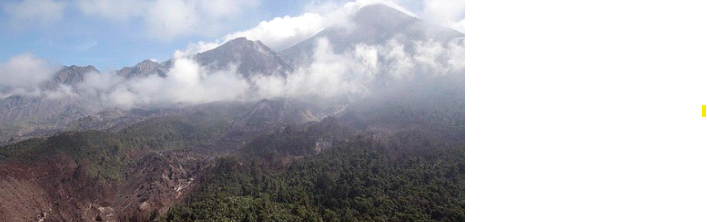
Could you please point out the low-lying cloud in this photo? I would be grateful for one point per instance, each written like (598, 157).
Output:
(330, 76)
(448, 13)
(23, 74)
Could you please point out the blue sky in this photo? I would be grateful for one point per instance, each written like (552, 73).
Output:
(112, 34)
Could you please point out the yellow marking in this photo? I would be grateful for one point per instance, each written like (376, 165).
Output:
(704, 110)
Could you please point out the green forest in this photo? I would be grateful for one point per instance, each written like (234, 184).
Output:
(404, 178)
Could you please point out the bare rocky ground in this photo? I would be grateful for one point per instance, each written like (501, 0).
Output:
(58, 189)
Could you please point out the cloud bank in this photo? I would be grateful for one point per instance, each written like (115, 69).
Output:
(24, 74)
(448, 13)
(331, 76)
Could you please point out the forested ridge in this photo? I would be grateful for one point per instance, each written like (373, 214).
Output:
(406, 177)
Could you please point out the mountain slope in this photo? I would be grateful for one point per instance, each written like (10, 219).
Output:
(373, 25)
(25, 117)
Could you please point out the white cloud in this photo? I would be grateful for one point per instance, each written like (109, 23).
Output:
(168, 19)
(194, 48)
(282, 32)
(25, 72)
(34, 13)
(325, 76)
(349, 8)
(460, 26)
(278, 33)
(186, 82)
(447, 13)
(350, 74)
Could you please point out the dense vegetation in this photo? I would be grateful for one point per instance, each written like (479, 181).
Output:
(100, 153)
(408, 177)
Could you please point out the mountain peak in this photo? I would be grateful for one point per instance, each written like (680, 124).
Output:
(238, 40)
(251, 57)
(75, 67)
(147, 62)
(375, 24)
(70, 75)
(381, 15)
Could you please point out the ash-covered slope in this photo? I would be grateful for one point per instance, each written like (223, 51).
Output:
(251, 58)
(373, 25)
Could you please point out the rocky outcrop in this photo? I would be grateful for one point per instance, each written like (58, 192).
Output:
(59, 189)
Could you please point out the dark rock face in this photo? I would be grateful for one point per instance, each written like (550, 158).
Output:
(373, 25)
(143, 69)
(251, 58)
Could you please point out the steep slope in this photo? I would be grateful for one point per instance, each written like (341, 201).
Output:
(251, 58)
(373, 25)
